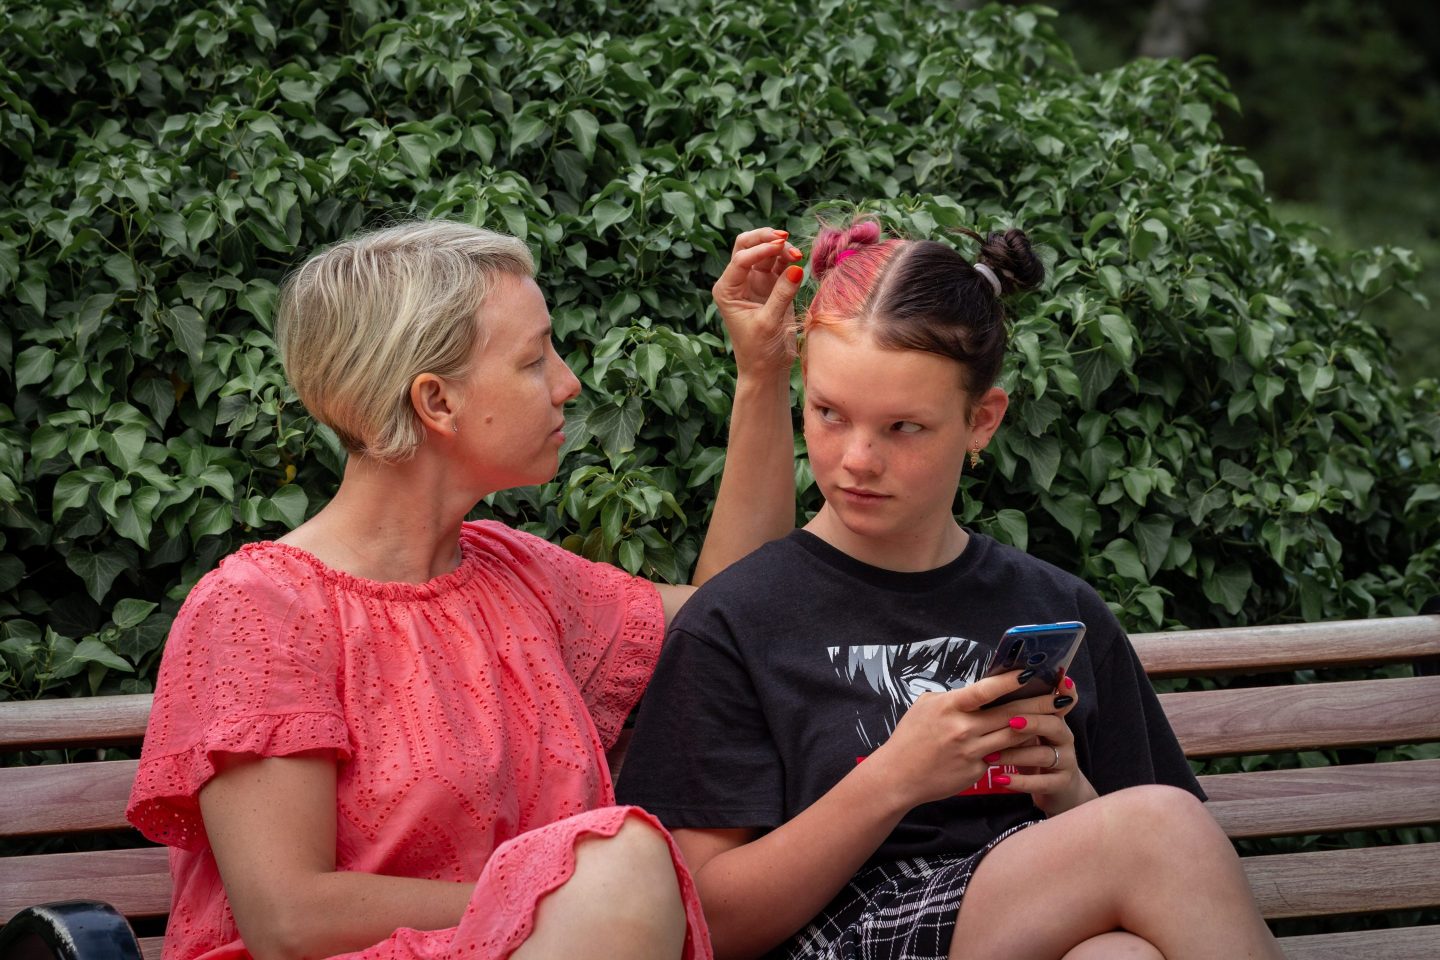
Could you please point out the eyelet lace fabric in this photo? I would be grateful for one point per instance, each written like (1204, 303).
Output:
(468, 716)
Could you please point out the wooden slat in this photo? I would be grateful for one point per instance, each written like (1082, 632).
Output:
(1336, 882)
(1362, 796)
(150, 947)
(1305, 717)
(65, 798)
(1397, 943)
(135, 882)
(1288, 646)
(79, 722)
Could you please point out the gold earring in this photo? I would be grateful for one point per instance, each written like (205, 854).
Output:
(975, 456)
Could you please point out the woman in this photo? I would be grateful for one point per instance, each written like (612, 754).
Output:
(1065, 825)
(383, 735)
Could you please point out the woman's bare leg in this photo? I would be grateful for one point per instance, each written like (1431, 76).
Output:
(1148, 860)
(622, 901)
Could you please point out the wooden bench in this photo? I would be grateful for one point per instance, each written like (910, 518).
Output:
(1266, 709)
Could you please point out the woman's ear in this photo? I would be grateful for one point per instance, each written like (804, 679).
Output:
(434, 402)
(986, 414)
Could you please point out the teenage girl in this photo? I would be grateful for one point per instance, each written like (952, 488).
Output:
(817, 734)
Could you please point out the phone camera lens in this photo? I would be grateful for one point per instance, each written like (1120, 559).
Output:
(1037, 658)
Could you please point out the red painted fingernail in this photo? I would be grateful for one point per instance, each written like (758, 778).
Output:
(1017, 723)
(795, 273)
(1069, 684)
(782, 233)
(795, 253)
(991, 757)
(1000, 779)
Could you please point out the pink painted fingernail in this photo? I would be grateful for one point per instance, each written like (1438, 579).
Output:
(1000, 780)
(1018, 723)
(991, 757)
(1069, 684)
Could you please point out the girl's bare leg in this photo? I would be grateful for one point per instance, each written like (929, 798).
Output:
(622, 901)
(1115, 945)
(1148, 860)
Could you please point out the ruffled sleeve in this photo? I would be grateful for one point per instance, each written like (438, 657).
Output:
(610, 624)
(250, 667)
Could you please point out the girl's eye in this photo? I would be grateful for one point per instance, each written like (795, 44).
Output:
(827, 414)
(906, 426)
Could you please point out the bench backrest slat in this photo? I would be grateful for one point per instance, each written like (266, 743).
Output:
(78, 722)
(1400, 877)
(1290, 646)
(1361, 796)
(135, 882)
(1305, 717)
(67, 798)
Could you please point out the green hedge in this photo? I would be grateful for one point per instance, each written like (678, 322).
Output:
(1205, 424)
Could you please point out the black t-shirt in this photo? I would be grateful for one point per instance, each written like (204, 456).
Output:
(792, 665)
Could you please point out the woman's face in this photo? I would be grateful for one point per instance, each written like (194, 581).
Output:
(511, 407)
(888, 432)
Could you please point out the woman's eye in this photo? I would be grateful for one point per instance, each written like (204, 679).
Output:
(827, 414)
(906, 426)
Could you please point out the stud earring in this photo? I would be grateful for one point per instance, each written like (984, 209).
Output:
(975, 456)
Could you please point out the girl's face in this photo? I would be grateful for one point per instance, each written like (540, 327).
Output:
(888, 432)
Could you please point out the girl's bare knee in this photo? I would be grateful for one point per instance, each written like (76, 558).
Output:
(1115, 945)
(638, 857)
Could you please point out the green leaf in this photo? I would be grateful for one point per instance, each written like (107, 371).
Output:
(91, 650)
(1229, 587)
(1012, 527)
(632, 555)
(607, 213)
(211, 518)
(1125, 559)
(288, 505)
(584, 128)
(97, 570)
(615, 426)
(130, 612)
(33, 366)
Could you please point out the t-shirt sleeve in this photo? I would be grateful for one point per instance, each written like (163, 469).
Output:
(250, 667)
(610, 627)
(1129, 741)
(703, 755)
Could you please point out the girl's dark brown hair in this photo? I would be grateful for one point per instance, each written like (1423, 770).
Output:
(923, 295)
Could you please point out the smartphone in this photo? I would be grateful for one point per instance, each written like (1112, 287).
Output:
(1046, 648)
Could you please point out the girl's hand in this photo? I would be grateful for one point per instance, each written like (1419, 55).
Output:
(1049, 770)
(756, 295)
(946, 741)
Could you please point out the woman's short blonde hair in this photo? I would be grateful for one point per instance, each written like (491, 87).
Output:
(359, 321)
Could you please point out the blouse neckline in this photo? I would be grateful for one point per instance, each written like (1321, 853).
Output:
(463, 573)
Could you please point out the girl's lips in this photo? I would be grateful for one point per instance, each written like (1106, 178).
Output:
(863, 496)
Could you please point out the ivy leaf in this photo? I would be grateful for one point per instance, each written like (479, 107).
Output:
(615, 426)
(130, 612)
(1229, 587)
(97, 570)
(1125, 559)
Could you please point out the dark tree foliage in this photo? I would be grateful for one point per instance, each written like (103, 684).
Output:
(1204, 424)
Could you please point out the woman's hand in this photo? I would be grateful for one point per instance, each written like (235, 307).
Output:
(1049, 770)
(756, 295)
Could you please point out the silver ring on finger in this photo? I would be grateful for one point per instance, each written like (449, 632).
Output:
(1056, 762)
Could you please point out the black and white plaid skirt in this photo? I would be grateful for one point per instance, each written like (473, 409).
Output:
(903, 910)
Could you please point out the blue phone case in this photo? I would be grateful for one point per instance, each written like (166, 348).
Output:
(1045, 648)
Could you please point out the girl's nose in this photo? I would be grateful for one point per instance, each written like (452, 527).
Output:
(860, 457)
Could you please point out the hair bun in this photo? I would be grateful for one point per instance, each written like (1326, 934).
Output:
(1012, 258)
(832, 242)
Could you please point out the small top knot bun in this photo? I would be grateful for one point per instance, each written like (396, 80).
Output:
(832, 243)
(1012, 260)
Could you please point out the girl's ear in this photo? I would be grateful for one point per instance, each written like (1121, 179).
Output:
(434, 402)
(986, 414)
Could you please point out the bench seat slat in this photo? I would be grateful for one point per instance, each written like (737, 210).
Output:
(1399, 877)
(1398, 943)
(67, 798)
(151, 947)
(1309, 716)
(135, 882)
(109, 721)
(1276, 803)
(1288, 646)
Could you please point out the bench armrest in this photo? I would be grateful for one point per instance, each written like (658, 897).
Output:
(69, 930)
